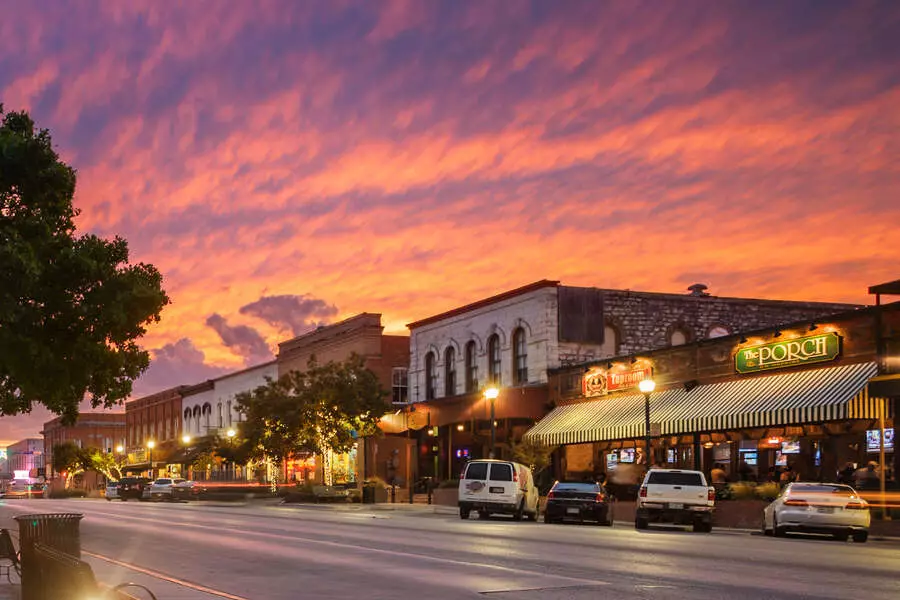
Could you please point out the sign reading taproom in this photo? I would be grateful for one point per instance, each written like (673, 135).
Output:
(799, 351)
(600, 383)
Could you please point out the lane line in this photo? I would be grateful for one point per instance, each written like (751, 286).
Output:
(164, 577)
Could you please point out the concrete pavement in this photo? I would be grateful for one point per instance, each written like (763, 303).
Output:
(287, 552)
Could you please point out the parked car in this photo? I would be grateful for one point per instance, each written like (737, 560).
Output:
(675, 496)
(497, 486)
(186, 490)
(828, 508)
(112, 491)
(579, 501)
(132, 487)
(25, 490)
(161, 489)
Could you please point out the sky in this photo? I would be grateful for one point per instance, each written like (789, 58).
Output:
(289, 164)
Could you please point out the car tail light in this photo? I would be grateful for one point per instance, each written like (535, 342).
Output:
(795, 502)
(515, 475)
(711, 494)
(551, 495)
(856, 505)
(600, 497)
(643, 492)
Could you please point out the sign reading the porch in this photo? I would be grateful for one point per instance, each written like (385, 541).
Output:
(800, 351)
(600, 383)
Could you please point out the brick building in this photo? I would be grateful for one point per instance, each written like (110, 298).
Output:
(513, 339)
(103, 431)
(388, 357)
(155, 418)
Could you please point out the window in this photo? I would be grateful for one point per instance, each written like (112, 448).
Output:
(610, 345)
(228, 412)
(450, 371)
(678, 337)
(675, 478)
(494, 359)
(430, 376)
(501, 472)
(520, 357)
(207, 413)
(476, 470)
(220, 420)
(400, 385)
(471, 367)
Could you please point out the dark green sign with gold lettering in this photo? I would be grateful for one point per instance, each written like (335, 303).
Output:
(788, 353)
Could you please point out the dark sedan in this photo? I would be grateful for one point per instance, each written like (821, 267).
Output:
(133, 487)
(579, 501)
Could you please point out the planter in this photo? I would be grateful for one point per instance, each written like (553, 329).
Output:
(445, 497)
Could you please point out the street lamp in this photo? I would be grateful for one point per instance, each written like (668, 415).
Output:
(150, 445)
(491, 394)
(120, 449)
(647, 386)
(230, 434)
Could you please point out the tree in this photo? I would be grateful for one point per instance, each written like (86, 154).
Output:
(106, 464)
(70, 459)
(320, 410)
(71, 306)
(531, 453)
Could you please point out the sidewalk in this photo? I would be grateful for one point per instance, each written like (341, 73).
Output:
(9, 591)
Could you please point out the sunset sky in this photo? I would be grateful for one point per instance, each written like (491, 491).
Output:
(286, 164)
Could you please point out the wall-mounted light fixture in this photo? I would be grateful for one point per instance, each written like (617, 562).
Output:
(609, 365)
(777, 333)
(813, 326)
(633, 359)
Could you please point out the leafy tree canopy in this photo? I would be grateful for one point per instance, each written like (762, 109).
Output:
(312, 411)
(534, 454)
(71, 306)
(68, 457)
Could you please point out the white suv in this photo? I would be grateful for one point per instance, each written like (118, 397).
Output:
(675, 496)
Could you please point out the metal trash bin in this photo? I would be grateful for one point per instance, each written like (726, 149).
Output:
(368, 493)
(60, 531)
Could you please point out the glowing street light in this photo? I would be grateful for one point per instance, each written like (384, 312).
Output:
(186, 439)
(647, 386)
(120, 449)
(150, 445)
(491, 394)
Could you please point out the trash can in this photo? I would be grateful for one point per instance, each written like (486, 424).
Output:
(368, 493)
(60, 531)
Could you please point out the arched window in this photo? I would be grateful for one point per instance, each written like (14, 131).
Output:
(717, 331)
(520, 357)
(610, 345)
(207, 414)
(186, 427)
(430, 376)
(450, 371)
(221, 420)
(228, 412)
(678, 337)
(471, 367)
(196, 427)
(494, 359)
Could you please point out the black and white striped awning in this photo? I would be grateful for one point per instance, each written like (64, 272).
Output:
(801, 397)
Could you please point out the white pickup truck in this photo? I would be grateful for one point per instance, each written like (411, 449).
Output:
(675, 496)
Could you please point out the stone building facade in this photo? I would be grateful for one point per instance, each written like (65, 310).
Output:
(513, 339)
(104, 431)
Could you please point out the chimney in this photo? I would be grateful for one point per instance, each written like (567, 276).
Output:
(699, 290)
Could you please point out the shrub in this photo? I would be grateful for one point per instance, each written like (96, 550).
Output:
(743, 490)
(768, 491)
(70, 493)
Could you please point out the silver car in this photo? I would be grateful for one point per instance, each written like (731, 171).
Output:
(161, 489)
(112, 490)
(828, 508)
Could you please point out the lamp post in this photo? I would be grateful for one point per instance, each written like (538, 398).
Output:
(647, 386)
(186, 440)
(150, 446)
(230, 435)
(491, 394)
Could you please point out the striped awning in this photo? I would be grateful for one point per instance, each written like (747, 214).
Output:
(801, 397)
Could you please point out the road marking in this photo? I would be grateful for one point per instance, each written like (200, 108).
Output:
(164, 577)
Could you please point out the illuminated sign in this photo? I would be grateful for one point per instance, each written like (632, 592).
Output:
(800, 351)
(600, 382)
(17, 474)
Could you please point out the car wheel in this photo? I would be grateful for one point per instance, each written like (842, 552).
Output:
(702, 527)
(109, 499)
(483, 514)
(640, 523)
(842, 537)
(776, 530)
(548, 519)
(860, 537)
(765, 530)
(464, 514)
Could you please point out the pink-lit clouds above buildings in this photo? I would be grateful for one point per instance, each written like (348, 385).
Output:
(287, 164)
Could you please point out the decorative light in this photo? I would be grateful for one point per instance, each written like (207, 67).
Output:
(813, 326)
(460, 427)
(231, 433)
(186, 439)
(120, 449)
(777, 333)
(708, 445)
(491, 393)
(647, 386)
(151, 444)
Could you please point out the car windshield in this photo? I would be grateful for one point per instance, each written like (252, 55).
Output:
(675, 478)
(838, 490)
(576, 487)
(163, 481)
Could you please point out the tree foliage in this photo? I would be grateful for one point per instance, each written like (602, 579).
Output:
(107, 464)
(70, 459)
(321, 408)
(71, 306)
(528, 452)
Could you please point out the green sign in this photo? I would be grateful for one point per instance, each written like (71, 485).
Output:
(788, 353)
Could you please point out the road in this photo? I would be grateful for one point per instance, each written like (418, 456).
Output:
(268, 552)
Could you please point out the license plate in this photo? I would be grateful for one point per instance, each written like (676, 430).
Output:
(496, 490)
(825, 509)
(572, 511)
(676, 505)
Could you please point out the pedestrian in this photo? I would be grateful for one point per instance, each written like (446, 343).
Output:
(718, 474)
(845, 475)
(787, 476)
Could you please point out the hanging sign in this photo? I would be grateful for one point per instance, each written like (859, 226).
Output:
(601, 382)
(788, 353)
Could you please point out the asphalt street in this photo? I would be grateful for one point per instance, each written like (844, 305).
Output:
(269, 552)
